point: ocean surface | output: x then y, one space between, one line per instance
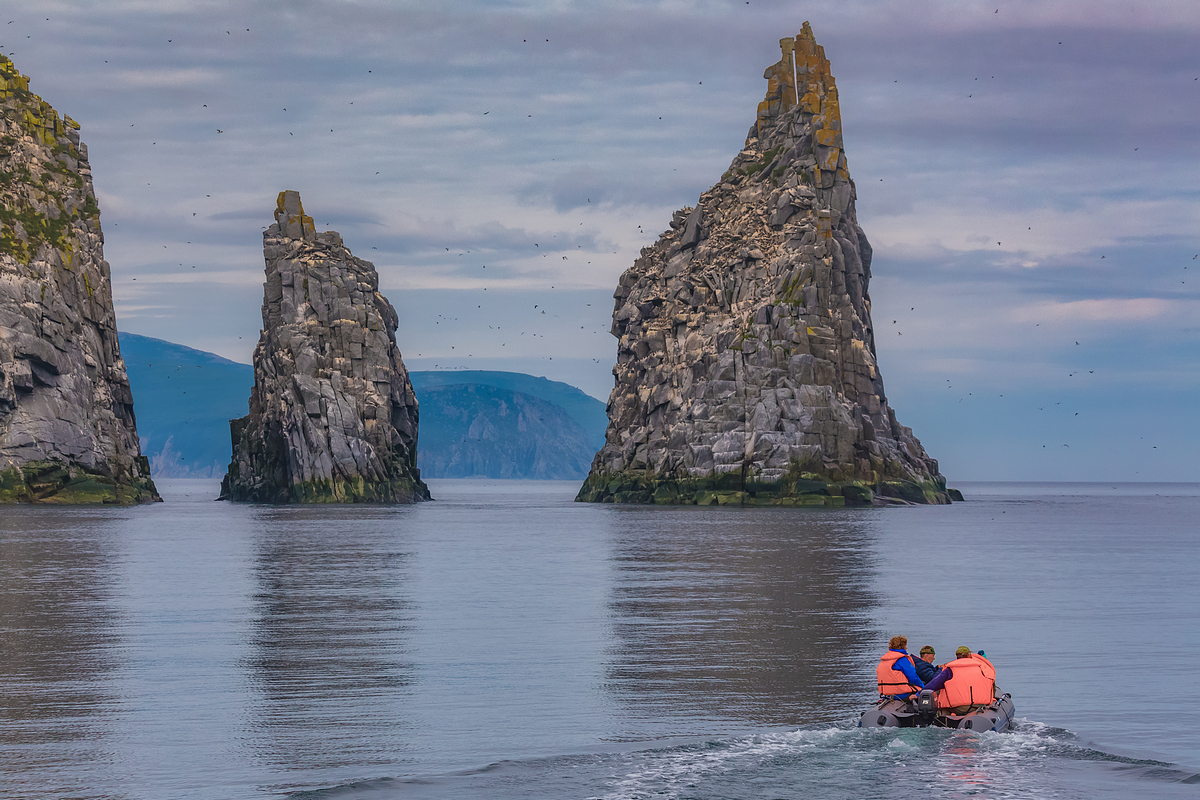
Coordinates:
505 642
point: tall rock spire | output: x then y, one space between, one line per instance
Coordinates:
746 369
67 430
333 416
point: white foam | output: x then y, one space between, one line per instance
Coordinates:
663 773
946 761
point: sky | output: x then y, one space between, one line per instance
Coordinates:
1028 174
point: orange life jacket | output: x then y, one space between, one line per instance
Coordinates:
892 681
973 683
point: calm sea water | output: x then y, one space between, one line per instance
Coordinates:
507 642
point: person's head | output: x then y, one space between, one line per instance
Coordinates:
927 654
898 642
963 652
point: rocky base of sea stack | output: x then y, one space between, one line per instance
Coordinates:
57 483
256 476
353 490
795 489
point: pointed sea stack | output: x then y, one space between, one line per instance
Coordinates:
746 369
333 417
67 430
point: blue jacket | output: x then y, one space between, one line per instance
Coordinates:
926 671
905 666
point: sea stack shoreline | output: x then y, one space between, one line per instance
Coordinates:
746 371
333 416
68 434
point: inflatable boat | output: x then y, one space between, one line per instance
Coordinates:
920 711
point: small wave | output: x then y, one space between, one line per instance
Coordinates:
665 772
1033 760
1029 761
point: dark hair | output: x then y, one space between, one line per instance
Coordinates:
898 643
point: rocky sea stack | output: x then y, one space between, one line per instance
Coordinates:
746 370
333 417
67 430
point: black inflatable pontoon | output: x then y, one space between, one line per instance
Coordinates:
921 712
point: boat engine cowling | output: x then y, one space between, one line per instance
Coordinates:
926 702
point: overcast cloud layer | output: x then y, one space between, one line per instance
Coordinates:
1027 173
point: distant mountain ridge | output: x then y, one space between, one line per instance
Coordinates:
477 423
587 411
477 430
184 399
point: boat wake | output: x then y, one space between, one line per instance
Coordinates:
1032 760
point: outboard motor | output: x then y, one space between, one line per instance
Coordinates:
926 703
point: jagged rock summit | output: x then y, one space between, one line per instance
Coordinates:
746 370
333 417
67 430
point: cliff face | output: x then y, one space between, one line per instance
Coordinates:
473 430
67 430
333 417
746 368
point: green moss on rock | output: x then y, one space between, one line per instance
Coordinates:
798 488
57 483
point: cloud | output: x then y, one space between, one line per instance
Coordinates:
1024 236
240 278
167 78
1133 309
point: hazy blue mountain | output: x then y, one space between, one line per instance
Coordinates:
184 399
586 410
474 430
476 423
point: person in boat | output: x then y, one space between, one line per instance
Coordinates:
968 680
926 669
897 671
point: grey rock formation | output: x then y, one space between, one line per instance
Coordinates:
746 368
333 417
67 430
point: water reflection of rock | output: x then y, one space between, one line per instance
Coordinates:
59 645
761 616
329 638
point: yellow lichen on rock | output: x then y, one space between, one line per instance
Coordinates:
802 77
289 213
